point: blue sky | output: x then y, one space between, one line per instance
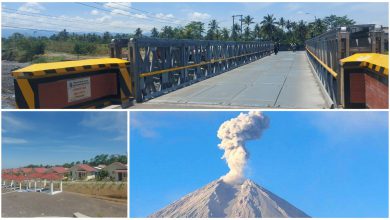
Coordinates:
118 17
61 137
329 164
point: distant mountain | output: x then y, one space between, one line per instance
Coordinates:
219 199
6 32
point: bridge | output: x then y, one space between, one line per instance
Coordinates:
285 80
343 68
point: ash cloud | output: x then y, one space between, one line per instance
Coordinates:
234 133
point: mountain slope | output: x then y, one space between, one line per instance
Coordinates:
219 199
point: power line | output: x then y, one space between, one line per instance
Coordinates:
128 15
155 15
15 11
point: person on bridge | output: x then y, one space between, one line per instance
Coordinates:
276 48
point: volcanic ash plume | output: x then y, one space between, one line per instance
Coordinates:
233 134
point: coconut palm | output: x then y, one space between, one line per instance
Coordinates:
282 23
213 32
269 26
247 20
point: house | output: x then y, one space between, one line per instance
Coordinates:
117 171
39 170
58 170
82 172
61 171
26 171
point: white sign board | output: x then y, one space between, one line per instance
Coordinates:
79 89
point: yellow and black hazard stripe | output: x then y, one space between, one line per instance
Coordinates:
375 68
24 94
27 92
67 70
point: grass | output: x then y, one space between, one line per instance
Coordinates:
102 189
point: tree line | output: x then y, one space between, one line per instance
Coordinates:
269 28
104 159
27 48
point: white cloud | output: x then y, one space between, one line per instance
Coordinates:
146 127
11 140
32 7
94 12
104 18
14 124
350 123
142 16
118 5
164 16
107 121
198 16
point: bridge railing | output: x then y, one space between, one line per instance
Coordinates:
159 66
325 51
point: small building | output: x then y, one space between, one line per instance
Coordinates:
39 170
82 172
117 171
60 171
26 171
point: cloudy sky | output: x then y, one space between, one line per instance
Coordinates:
61 137
126 17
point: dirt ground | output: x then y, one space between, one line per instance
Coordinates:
116 191
7 83
31 204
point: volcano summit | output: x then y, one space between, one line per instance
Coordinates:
240 200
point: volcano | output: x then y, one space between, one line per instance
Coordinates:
219 199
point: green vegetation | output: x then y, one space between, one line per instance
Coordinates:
21 48
105 159
270 28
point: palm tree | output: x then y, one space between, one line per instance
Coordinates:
235 32
247 20
288 25
268 26
257 32
317 27
213 32
282 23
225 34
138 32
167 32
301 31
154 32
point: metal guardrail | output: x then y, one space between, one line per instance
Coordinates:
326 50
159 66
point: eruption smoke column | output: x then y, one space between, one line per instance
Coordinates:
233 134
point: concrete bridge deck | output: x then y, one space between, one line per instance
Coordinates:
285 80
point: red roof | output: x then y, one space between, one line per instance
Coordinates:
40 169
15 170
26 170
59 170
86 167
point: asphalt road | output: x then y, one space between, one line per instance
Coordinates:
31 204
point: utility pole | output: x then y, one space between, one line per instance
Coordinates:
240 22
